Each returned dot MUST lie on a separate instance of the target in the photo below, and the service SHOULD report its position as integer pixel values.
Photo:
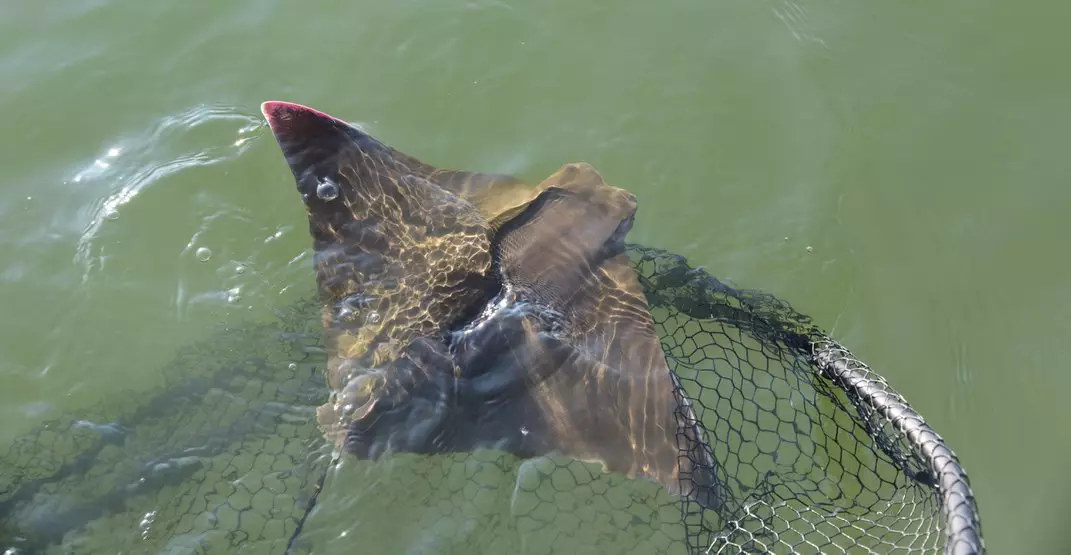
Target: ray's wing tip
(279, 113)
(579, 165)
(578, 170)
(268, 107)
(583, 174)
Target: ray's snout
(316, 144)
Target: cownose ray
(467, 310)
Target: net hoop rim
(963, 527)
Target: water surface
(897, 170)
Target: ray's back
(467, 310)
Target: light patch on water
(279, 232)
(146, 524)
(515, 162)
(36, 408)
(225, 296)
(794, 16)
(489, 4)
(299, 258)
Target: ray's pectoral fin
(551, 249)
(380, 227)
(609, 395)
(314, 144)
(318, 147)
(399, 260)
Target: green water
(898, 170)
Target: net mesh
(815, 453)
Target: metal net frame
(814, 453)
(867, 476)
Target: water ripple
(130, 167)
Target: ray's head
(333, 162)
(330, 156)
(387, 234)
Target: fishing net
(814, 453)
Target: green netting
(814, 454)
(225, 455)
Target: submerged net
(814, 452)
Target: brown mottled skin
(466, 310)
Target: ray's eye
(327, 190)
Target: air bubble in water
(146, 524)
(373, 317)
(292, 366)
(203, 254)
(327, 190)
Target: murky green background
(919, 148)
